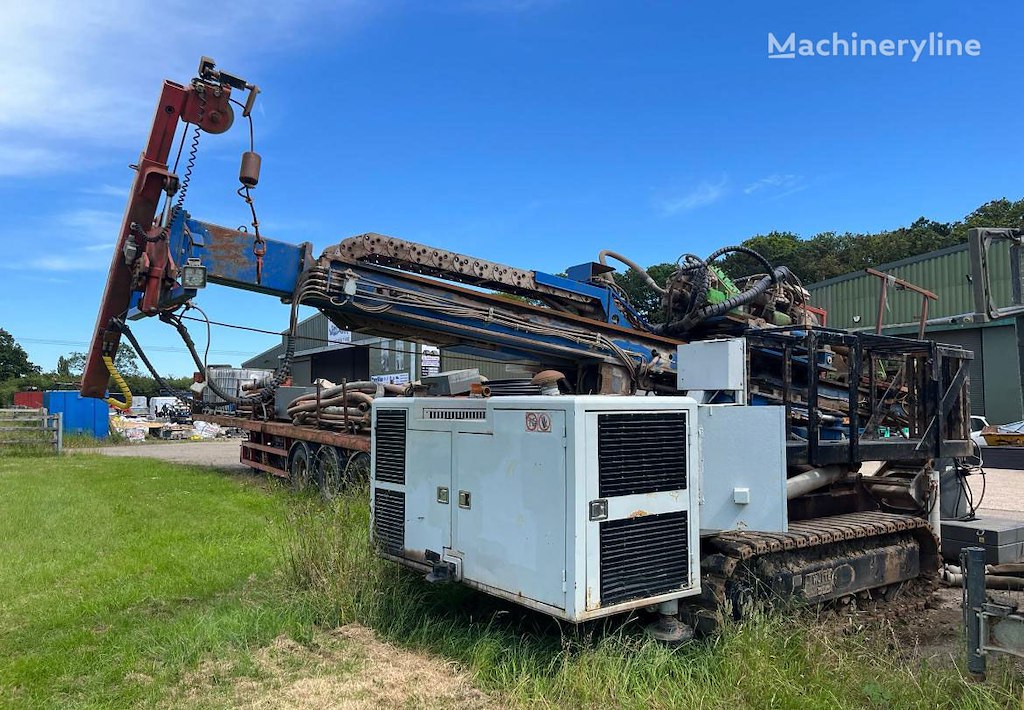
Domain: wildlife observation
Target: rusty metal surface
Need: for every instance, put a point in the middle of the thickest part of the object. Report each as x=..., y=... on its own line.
x=352, y=442
x=204, y=104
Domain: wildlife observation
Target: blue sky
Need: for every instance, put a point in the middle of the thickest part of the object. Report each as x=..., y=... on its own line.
x=531, y=132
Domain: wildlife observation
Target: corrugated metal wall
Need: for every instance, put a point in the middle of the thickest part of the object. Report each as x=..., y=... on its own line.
x=311, y=333
x=945, y=272
x=491, y=369
x=852, y=303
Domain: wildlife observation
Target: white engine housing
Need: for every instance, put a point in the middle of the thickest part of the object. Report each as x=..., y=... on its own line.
x=578, y=506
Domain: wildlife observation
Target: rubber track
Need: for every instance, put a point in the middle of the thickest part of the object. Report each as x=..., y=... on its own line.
x=810, y=533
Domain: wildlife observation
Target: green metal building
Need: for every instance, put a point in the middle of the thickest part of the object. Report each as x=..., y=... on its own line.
x=852, y=302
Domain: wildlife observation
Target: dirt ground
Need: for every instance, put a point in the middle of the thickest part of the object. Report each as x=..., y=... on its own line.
x=347, y=668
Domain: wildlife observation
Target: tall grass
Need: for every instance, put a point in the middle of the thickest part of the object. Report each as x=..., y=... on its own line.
x=765, y=661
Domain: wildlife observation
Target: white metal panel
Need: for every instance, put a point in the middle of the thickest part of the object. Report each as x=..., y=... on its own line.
x=712, y=365
x=524, y=535
x=742, y=449
x=428, y=468
x=512, y=534
x=634, y=506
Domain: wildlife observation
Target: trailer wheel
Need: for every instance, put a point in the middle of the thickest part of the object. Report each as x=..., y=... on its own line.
x=300, y=460
x=357, y=469
x=329, y=471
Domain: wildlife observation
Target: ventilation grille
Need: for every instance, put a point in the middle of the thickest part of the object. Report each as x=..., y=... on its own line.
x=389, y=520
x=454, y=414
x=390, y=445
x=641, y=453
x=512, y=387
x=643, y=557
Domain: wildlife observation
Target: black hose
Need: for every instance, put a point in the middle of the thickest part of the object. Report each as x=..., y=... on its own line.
x=698, y=310
x=742, y=250
x=779, y=273
x=266, y=393
x=123, y=328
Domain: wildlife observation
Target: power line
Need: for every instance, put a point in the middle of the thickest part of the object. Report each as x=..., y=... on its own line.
x=157, y=348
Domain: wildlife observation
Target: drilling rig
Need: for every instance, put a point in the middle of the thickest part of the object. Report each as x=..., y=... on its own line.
x=735, y=448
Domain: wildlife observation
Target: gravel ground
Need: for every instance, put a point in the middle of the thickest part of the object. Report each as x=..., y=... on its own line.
x=1004, y=492
x=216, y=454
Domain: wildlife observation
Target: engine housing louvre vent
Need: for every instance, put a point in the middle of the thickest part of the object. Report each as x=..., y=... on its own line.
x=644, y=557
x=643, y=452
x=389, y=445
x=389, y=520
x=454, y=414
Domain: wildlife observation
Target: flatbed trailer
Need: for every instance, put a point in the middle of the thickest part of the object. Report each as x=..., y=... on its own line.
x=301, y=454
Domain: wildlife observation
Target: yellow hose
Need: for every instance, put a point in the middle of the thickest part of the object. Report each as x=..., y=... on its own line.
x=121, y=385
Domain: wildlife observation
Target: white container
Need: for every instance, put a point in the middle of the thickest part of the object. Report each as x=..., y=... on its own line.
x=159, y=405
x=230, y=380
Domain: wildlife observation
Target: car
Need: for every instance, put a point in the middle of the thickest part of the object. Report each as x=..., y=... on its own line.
x=977, y=424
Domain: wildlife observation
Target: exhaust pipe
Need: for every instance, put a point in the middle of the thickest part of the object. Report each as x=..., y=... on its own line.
x=808, y=481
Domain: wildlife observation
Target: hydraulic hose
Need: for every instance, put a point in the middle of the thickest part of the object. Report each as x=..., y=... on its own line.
x=123, y=328
x=779, y=273
x=602, y=257
x=121, y=385
x=265, y=395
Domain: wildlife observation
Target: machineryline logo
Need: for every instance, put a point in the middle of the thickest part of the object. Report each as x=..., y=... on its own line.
x=852, y=45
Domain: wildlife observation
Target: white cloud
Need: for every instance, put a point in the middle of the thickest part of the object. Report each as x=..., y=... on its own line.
x=510, y=6
x=29, y=160
x=702, y=195
x=84, y=240
x=87, y=73
x=779, y=185
x=56, y=263
x=106, y=191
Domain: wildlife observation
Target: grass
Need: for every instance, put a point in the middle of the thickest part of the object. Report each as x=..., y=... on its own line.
x=768, y=661
x=121, y=578
x=80, y=440
x=119, y=574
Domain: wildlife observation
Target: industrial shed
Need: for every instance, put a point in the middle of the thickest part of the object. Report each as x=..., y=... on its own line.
x=324, y=351
x=852, y=302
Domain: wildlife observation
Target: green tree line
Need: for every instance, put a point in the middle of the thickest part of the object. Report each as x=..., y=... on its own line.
x=18, y=373
x=830, y=254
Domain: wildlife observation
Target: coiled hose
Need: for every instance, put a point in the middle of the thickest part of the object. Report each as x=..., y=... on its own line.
x=121, y=385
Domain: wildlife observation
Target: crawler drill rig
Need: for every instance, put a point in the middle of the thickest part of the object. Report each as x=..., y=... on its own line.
x=828, y=529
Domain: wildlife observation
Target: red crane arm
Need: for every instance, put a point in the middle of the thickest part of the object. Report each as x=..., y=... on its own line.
x=204, y=103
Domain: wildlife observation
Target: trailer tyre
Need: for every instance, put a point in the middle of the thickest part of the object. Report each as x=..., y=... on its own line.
x=330, y=469
x=357, y=469
x=300, y=465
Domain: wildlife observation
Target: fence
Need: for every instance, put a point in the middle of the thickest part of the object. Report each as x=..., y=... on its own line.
x=31, y=428
x=993, y=597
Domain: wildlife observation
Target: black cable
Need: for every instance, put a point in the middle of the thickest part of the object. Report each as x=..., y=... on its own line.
x=374, y=347
x=252, y=134
x=123, y=328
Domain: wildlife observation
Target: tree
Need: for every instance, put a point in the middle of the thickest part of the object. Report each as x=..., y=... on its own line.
x=14, y=360
x=641, y=296
x=126, y=362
